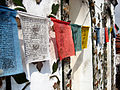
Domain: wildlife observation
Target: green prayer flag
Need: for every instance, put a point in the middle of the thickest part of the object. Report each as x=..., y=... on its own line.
x=109, y=32
x=76, y=34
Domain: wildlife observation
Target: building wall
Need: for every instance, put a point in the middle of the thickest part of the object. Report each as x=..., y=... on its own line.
x=82, y=68
x=117, y=14
x=39, y=80
x=81, y=64
x=117, y=59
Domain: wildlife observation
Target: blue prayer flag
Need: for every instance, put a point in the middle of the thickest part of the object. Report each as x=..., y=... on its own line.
x=76, y=34
x=10, y=57
x=98, y=35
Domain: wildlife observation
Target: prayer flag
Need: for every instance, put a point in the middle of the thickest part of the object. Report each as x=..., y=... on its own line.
x=76, y=33
x=114, y=32
x=106, y=35
x=109, y=32
x=116, y=28
x=10, y=57
x=53, y=46
x=102, y=36
x=110, y=29
x=84, y=34
x=64, y=39
x=98, y=35
x=36, y=37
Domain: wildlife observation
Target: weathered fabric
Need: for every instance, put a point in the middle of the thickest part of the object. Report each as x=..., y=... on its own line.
x=10, y=58
x=116, y=28
x=64, y=39
x=102, y=36
x=76, y=34
x=36, y=37
x=109, y=33
x=84, y=34
x=98, y=35
x=106, y=35
x=53, y=46
x=110, y=29
x=114, y=32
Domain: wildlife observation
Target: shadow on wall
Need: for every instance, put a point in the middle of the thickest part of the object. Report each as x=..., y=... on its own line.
x=79, y=12
x=75, y=8
x=77, y=63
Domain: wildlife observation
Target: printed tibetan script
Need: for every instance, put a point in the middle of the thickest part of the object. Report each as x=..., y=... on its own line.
x=76, y=34
x=64, y=39
x=10, y=58
x=84, y=34
x=36, y=37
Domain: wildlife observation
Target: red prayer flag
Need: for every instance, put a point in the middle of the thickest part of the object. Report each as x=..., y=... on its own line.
x=106, y=35
x=115, y=28
x=64, y=38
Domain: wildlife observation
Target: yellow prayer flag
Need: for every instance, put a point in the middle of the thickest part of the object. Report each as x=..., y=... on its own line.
x=110, y=29
x=84, y=34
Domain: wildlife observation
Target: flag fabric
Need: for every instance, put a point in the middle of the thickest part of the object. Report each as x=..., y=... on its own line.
x=84, y=34
x=116, y=28
x=106, y=35
x=53, y=46
x=110, y=29
x=76, y=34
x=114, y=32
x=36, y=37
x=64, y=39
x=102, y=36
x=10, y=57
x=98, y=35
x=109, y=33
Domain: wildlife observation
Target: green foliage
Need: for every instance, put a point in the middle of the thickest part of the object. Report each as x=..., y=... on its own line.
x=51, y=16
x=18, y=3
x=20, y=78
x=55, y=66
x=21, y=9
x=55, y=8
x=2, y=2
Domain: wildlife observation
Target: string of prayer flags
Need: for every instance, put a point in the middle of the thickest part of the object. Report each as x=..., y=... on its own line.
x=114, y=32
x=76, y=34
x=36, y=37
x=64, y=39
x=84, y=34
x=10, y=57
x=106, y=35
x=98, y=35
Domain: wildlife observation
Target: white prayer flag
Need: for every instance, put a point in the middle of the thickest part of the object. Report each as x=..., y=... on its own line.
x=102, y=36
x=36, y=37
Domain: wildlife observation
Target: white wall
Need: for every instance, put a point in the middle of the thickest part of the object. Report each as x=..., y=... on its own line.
x=81, y=64
x=117, y=60
x=39, y=80
x=82, y=74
